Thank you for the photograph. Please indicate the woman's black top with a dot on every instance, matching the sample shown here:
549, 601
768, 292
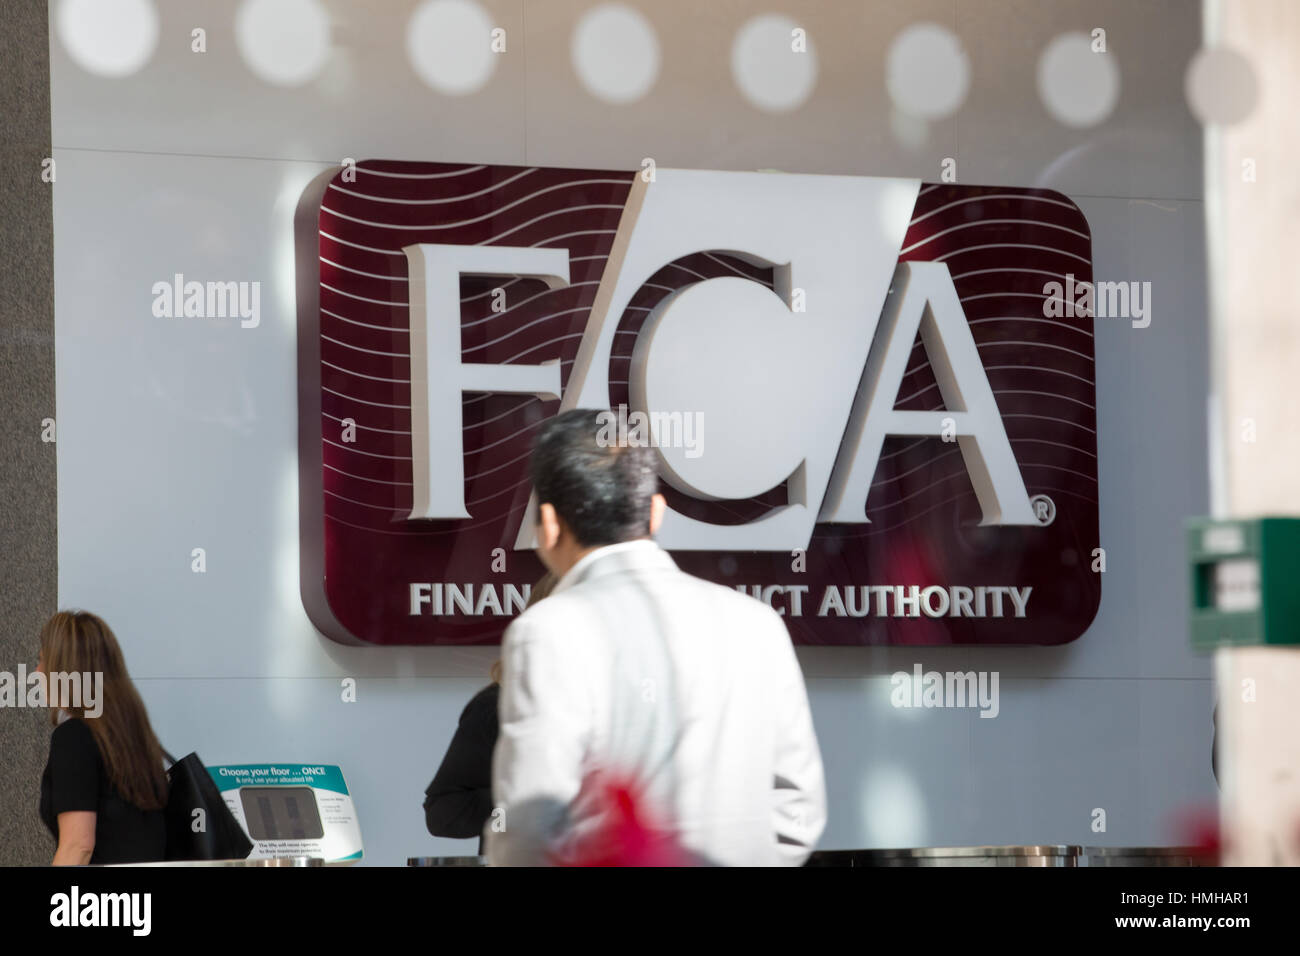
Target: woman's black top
75, 779
459, 801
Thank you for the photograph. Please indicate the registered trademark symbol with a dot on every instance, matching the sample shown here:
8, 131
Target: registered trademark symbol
1044, 509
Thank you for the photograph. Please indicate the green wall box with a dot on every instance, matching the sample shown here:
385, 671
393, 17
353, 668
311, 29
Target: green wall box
1245, 581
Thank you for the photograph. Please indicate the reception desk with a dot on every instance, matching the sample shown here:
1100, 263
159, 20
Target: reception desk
1040, 855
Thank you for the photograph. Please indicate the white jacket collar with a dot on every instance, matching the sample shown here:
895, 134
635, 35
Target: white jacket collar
633, 553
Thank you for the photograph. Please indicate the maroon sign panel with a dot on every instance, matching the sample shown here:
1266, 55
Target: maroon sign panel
920, 569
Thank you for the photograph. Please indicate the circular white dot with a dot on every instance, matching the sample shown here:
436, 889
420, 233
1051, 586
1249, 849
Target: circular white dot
109, 37
927, 72
449, 43
1078, 87
1221, 87
284, 42
615, 53
774, 66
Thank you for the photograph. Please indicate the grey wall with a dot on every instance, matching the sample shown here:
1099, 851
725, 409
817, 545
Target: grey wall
28, 533
177, 435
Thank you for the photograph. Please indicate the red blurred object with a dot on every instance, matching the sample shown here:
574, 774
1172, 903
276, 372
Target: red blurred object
628, 836
1199, 829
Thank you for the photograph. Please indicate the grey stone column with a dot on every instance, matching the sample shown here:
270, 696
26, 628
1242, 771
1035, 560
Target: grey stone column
28, 510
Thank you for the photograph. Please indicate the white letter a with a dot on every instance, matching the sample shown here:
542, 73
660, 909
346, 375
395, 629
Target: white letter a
924, 299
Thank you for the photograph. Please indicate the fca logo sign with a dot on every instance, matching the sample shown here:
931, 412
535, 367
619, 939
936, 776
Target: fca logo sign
865, 372
796, 383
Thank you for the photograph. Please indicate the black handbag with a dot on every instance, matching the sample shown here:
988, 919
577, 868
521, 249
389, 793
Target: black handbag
214, 834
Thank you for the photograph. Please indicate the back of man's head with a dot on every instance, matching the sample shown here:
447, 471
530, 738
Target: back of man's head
602, 490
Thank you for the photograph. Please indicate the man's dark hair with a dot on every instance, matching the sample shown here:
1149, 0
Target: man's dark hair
600, 488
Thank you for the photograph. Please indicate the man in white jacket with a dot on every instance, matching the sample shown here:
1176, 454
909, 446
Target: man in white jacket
635, 670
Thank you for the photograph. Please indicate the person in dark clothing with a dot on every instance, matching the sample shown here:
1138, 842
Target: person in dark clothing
76, 783
459, 800
458, 803
103, 791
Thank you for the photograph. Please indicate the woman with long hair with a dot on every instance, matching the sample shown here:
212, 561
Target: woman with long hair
104, 788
